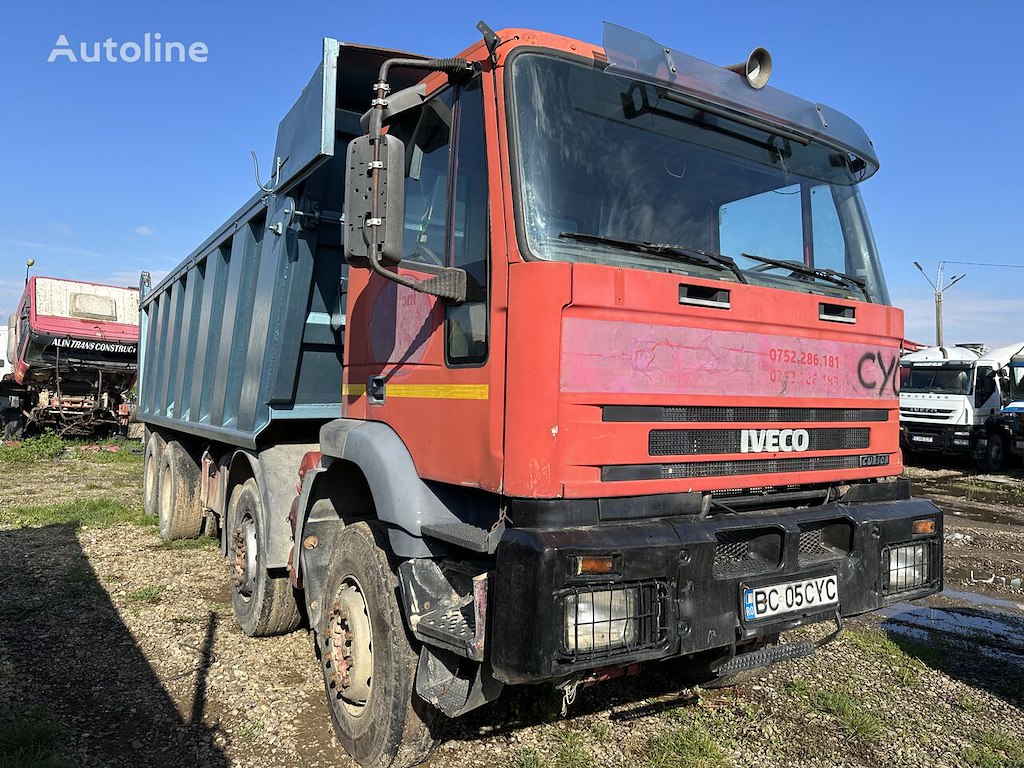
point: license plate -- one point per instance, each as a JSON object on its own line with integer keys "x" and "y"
{"x": 922, "y": 438}
{"x": 791, "y": 597}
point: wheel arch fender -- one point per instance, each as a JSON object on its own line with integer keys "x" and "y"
{"x": 275, "y": 470}
{"x": 401, "y": 499}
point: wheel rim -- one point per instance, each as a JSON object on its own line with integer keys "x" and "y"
{"x": 150, "y": 476}
{"x": 246, "y": 554}
{"x": 164, "y": 507}
{"x": 348, "y": 649}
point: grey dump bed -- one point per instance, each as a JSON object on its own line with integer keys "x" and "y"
{"x": 242, "y": 341}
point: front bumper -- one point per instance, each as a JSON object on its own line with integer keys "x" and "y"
{"x": 685, "y": 576}
{"x": 948, "y": 438}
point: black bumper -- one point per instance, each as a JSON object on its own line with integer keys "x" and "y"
{"x": 685, "y": 579}
{"x": 932, "y": 437}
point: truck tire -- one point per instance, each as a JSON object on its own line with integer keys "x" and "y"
{"x": 264, "y": 603}
{"x": 367, "y": 659}
{"x": 178, "y": 511}
{"x": 992, "y": 458}
{"x": 154, "y": 449}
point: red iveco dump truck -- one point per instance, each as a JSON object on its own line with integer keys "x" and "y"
{"x": 72, "y": 346}
{"x": 538, "y": 364}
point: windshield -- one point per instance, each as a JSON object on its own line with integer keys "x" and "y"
{"x": 940, "y": 379}
{"x": 620, "y": 161}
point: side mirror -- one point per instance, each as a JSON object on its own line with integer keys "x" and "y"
{"x": 389, "y": 223}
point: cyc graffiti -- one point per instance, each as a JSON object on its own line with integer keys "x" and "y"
{"x": 875, "y": 373}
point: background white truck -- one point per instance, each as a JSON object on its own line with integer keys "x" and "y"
{"x": 946, "y": 396}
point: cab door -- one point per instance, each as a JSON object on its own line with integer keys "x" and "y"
{"x": 426, "y": 368}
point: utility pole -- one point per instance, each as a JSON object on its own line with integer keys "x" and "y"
{"x": 939, "y": 289}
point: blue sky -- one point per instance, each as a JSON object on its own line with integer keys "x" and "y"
{"x": 113, "y": 168}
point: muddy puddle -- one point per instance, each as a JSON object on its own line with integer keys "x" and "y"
{"x": 964, "y": 623}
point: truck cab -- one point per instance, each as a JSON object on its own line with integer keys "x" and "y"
{"x": 946, "y": 394}
{"x": 1004, "y": 431}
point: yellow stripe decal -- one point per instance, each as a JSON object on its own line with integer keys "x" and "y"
{"x": 425, "y": 391}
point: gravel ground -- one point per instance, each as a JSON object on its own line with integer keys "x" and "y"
{"x": 129, "y": 649}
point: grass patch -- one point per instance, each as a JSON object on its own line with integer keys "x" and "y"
{"x": 850, "y": 713}
{"x": 798, "y": 686}
{"x": 994, "y": 749}
{"x": 528, "y": 758}
{"x": 43, "y": 448}
{"x": 96, "y": 513}
{"x": 970, "y": 704}
{"x": 572, "y": 751}
{"x": 120, "y": 456}
{"x": 601, "y": 729}
{"x": 50, "y": 446}
{"x": 149, "y": 594}
{"x": 688, "y": 746}
{"x": 203, "y": 542}
{"x": 30, "y": 741}
{"x": 905, "y": 666}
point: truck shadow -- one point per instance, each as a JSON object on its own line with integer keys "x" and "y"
{"x": 68, "y": 662}
{"x": 981, "y": 646}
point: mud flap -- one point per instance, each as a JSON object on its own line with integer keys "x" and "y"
{"x": 452, "y": 684}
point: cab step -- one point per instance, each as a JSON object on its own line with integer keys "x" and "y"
{"x": 766, "y": 657}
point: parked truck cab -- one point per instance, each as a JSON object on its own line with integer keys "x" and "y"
{"x": 1004, "y": 431}
{"x": 537, "y": 365}
{"x": 947, "y": 394}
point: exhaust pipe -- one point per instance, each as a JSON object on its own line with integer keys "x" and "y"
{"x": 756, "y": 69}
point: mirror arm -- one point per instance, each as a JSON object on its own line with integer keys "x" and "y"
{"x": 450, "y": 284}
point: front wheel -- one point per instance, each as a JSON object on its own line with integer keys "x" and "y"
{"x": 993, "y": 454}
{"x": 368, "y": 663}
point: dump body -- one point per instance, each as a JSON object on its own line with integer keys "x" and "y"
{"x": 246, "y": 335}
{"x": 73, "y": 347}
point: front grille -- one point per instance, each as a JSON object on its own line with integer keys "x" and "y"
{"x": 623, "y": 472}
{"x": 644, "y": 626}
{"x": 935, "y": 415}
{"x": 749, "y": 552}
{"x": 680, "y": 442}
{"x": 750, "y": 414}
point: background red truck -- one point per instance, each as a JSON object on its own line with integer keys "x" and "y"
{"x": 73, "y": 348}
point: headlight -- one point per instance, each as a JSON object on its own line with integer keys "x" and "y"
{"x": 907, "y": 566}
{"x": 600, "y": 620}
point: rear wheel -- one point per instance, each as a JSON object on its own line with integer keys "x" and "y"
{"x": 154, "y": 449}
{"x": 177, "y": 494}
{"x": 264, "y": 603}
{"x": 993, "y": 456}
{"x": 368, "y": 662}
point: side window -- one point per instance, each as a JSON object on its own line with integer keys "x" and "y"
{"x": 426, "y": 132}
{"x": 466, "y": 324}
{"x": 827, "y": 232}
{"x": 985, "y": 386}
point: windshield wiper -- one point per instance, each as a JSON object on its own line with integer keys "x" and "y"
{"x": 682, "y": 253}
{"x": 822, "y": 273}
